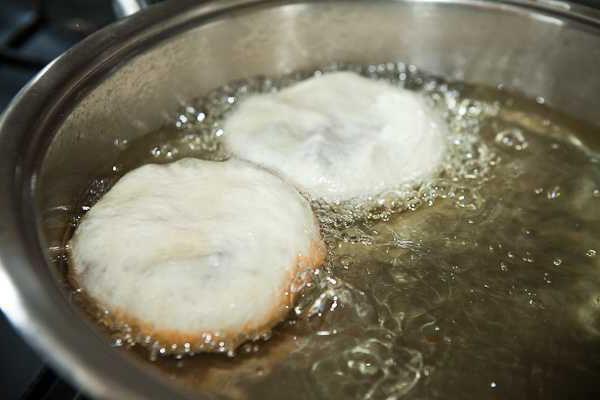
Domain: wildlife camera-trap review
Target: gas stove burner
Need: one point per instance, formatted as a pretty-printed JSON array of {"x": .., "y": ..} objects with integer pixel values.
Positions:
[{"x": 33, "y": 33}]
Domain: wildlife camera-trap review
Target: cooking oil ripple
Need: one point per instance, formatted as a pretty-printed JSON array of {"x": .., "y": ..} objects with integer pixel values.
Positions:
[
  {"x": 375, "y": 368},
  {"x": 479, "y": 281}
]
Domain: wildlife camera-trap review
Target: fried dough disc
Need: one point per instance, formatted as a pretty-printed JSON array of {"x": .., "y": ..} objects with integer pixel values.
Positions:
[
  {"x": 197, "y": 252},
  {"x": 339, "y": 136}
]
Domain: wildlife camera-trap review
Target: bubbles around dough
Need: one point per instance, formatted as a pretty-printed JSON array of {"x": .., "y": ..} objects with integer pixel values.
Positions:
[
  {"x": 339, "y": 136},
  {"x": 197, "y": 251}
]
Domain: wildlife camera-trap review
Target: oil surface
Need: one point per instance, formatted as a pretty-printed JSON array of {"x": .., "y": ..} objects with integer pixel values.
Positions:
[{"x": 482, "y": 283}]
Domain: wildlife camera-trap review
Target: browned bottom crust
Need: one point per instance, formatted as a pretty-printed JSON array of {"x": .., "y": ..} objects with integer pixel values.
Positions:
[{"x": 221, "y": 341}]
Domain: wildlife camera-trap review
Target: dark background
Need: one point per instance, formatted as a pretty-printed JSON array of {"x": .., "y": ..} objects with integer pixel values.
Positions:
[{"x": 32, "y": 33}]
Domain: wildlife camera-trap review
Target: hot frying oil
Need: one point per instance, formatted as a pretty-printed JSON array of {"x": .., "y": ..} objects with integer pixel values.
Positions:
[{"x": 483, "y": 282}]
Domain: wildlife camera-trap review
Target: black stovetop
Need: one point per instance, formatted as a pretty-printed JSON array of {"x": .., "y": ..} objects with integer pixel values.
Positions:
[{"x": 32, "y": 33}]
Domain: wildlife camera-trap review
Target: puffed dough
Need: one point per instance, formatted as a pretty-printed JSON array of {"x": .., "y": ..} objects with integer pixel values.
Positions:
[
  {"x": 197, "y": 252},
  {"x": 339, "y": 136}
]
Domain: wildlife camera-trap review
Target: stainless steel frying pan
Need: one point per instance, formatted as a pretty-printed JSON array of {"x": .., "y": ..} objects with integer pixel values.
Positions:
[{"x": 131, "y": 77}]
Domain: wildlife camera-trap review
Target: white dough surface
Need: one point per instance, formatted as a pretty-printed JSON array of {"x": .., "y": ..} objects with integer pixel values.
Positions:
[
  {"x": 196, "y": 247},
  {"x": 339, "y": 136}
]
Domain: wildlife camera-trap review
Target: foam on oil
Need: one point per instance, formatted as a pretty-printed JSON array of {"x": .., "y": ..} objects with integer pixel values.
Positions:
[{"x": 482, "y": 283}]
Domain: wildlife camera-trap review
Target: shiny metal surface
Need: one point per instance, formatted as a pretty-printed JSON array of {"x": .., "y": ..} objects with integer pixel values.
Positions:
[
  {"x": 131, "y": 77},
  {"x": 124, "y": 8}
]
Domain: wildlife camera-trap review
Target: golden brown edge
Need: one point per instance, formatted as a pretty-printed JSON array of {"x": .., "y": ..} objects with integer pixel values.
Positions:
[{"x": 209, "y": 341}]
